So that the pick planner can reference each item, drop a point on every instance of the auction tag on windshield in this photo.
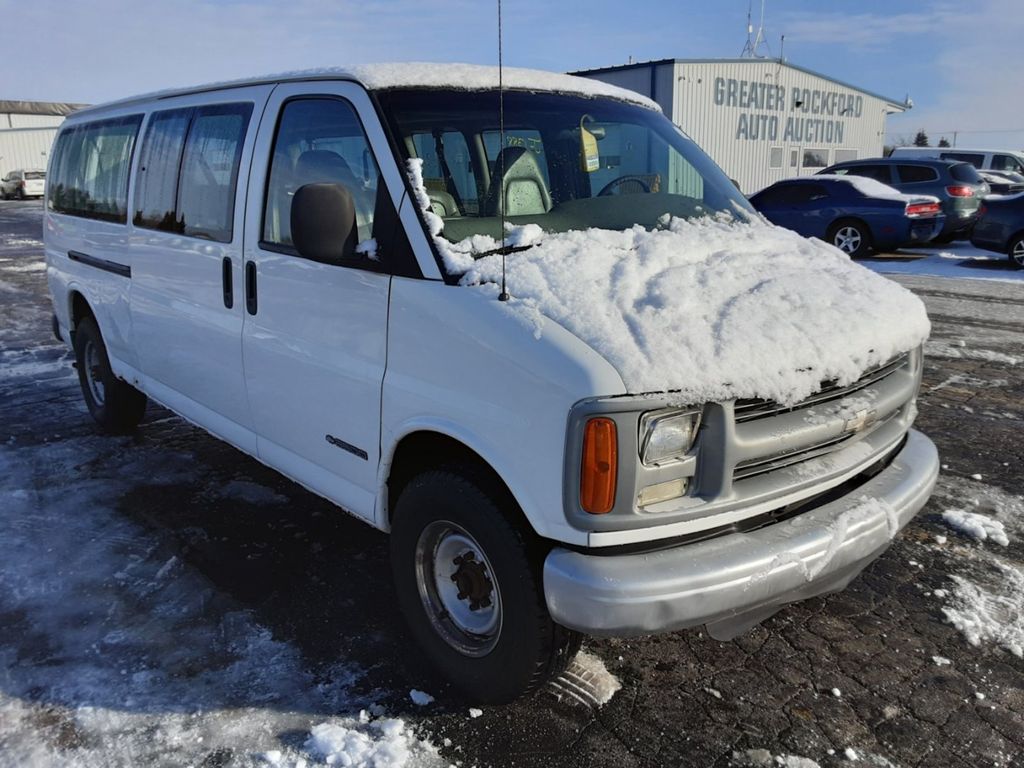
(590, 159)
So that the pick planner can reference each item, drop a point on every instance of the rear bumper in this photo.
(732, 582)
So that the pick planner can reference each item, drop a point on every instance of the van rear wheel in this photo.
(115, 405)
(469, 584)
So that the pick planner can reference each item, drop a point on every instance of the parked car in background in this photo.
(957, 185)
(854, 214)
(22, 184)
(1003, 182)
(982, 159)
(1001, 227)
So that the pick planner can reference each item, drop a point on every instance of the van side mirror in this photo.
(323, 222)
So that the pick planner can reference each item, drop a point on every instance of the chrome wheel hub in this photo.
(847, 239)
(457, 586)
(93, 373)
(1017, 254)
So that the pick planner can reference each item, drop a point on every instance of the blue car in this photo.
(1001, 227)
(855, 214)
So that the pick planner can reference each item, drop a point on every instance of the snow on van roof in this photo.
(389, 76)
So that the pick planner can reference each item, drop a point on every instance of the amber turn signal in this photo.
(600, 466)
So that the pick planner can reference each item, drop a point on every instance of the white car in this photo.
(556, 354)
(982, 159)
(22, 184)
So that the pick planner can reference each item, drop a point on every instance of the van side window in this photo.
(209, 171)
(1007, 163)
(90, 169)
(318, 140)
(188, 173)
(978, 161)
(157, 186)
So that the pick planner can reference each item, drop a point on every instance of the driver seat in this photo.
(522, 191)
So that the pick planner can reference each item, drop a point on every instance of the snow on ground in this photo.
(116, 653)
(986, 601)
(992, 612)
(960, 351)
(977, 526)
(957, 260)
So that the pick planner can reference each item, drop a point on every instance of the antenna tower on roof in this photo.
(755, 41)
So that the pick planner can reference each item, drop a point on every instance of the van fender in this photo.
(547, 523)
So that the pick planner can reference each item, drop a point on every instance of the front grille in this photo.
(755, 408)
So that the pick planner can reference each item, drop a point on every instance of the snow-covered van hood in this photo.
(708, 309)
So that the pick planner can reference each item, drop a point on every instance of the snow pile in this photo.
(711, 308)
(978, 527)
(874, 188)
(384, 743)
(993, 613)
(420, 698)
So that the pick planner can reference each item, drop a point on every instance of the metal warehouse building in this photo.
(761, 120)
(27, 130)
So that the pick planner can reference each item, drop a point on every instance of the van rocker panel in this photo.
(733, 582)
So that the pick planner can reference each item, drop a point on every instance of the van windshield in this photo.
(566, 163)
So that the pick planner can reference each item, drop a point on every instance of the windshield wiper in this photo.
(505, 250)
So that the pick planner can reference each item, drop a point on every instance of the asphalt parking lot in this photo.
(166, 600)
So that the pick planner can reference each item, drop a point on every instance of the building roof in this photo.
(899, 103)
(14, 107)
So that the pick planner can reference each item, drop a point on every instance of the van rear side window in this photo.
(91, 163)
(188, 173)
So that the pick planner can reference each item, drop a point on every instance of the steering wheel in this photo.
(614, 184)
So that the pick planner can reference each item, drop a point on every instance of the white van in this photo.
(982, 159)
(677, 415)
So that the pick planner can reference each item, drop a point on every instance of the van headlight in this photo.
(667, 435)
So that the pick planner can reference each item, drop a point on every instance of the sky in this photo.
(959, 62)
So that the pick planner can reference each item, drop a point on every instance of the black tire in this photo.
(527, 648)
(1016, 250)
(854, 235)
(944, 239)
(116, 405)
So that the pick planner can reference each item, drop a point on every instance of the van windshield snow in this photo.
(570, 163)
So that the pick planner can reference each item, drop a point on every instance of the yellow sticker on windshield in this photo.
(590, 159)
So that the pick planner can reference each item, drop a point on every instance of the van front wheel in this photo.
(115, 405)
(469, 585)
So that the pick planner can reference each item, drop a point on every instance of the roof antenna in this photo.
(503, 296)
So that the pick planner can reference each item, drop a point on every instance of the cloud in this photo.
(972, 52)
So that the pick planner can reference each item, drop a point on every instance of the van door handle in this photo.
(250, 287)
(227, 282)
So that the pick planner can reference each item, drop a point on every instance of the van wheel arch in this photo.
(79, 310)
(423, 451)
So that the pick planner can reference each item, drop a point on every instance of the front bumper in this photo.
(735, 581)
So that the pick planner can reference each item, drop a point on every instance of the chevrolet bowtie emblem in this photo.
(861, 420)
